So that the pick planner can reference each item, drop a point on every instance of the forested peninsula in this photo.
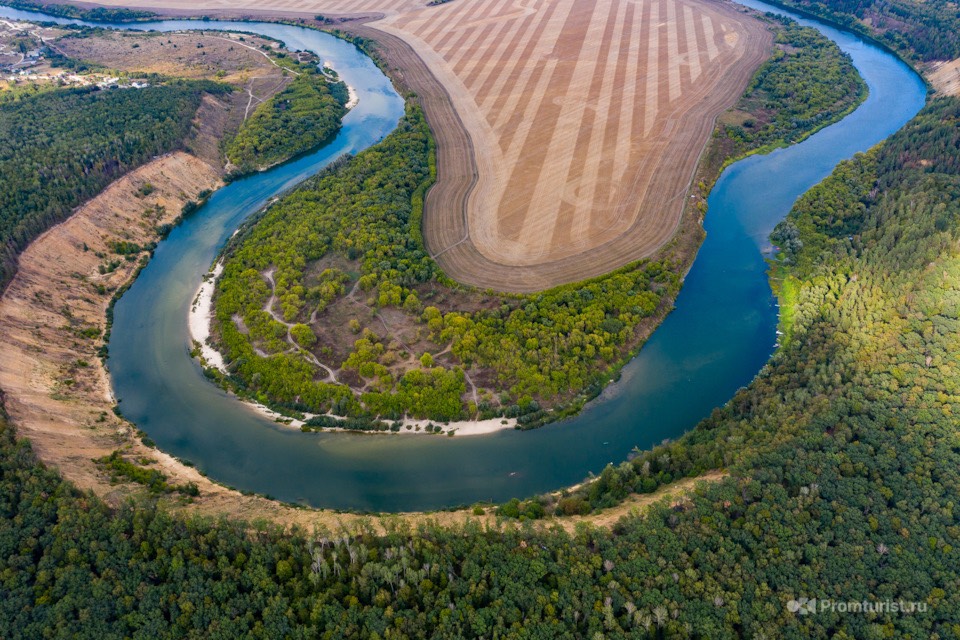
(329, 304)
(299, 118)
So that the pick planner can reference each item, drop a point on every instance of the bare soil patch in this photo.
(181, 55)
(945, 77)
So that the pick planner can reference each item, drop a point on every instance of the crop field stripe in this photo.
(506, 38)
(460, 21)
(624, 91)
(476, 32)
(653, 73)
(694, 44)
(529, 64)
(602, 122)
(673, 51)
(451, 40)
(532, 100)
(633, 27)
(454, 56)
(529, 38)
(617, 132)
(476, 45)
(446, 29)
(556, 165)
(665, 62)
(494, 66)
(523, 102)
(687, 49)
(521, 189)
(475, 63)
(711, 37)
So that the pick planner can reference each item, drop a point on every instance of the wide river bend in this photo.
(718, 338)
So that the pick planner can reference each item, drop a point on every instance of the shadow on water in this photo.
(721, 333)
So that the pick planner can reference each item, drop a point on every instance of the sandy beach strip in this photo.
(200, 317)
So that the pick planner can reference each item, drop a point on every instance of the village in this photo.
(26, 60)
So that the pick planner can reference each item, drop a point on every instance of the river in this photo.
(716, 340)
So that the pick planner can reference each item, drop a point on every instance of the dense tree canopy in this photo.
(925, 30)
(296, 119)
(806, 84)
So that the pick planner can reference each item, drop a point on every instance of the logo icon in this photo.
(802, 606)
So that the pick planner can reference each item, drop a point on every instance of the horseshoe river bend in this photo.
(719, 336)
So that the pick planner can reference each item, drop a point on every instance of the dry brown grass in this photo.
(636, 504)
(182, 55)
(56, 391)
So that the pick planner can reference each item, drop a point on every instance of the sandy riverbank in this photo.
(354, 99)
(200, 317)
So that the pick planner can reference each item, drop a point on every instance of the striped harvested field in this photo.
(567, 130)
(587, 119)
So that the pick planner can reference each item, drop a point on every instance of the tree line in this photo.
(94, 14)
(924, 31)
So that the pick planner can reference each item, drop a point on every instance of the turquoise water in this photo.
(717, 339)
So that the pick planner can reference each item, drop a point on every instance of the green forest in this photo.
(60, 148)
(300, 117)
(95, 14)
(345, 251)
